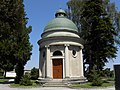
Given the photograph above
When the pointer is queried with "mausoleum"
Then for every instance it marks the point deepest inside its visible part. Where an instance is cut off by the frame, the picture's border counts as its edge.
(60, 49)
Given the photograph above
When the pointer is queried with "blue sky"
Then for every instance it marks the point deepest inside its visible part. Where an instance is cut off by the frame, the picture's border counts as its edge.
(40, 12)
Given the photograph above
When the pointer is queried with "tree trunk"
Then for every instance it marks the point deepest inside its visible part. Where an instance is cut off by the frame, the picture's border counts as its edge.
(19, 72)
(5, 74)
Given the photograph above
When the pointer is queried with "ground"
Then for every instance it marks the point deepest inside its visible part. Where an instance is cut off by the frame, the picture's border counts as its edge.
(6, 87)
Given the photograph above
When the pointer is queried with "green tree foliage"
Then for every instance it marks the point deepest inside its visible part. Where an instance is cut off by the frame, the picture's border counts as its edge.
(108, 73)
(100, 40)
(114, 15)
(15, 48)
(98, 30)
(34, 73)
(74, 11)
(6, 43)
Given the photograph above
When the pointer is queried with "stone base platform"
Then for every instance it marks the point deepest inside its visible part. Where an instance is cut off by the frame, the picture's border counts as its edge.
(48, 82)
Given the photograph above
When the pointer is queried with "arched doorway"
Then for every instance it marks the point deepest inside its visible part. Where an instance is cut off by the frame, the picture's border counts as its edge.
(57, 66)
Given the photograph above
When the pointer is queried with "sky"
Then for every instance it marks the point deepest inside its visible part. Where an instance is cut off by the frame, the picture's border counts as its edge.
(40, 12)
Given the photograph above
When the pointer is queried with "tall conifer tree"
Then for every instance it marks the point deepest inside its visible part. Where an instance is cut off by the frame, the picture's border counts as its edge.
(15, 48)
(100, 41)
(97, 29)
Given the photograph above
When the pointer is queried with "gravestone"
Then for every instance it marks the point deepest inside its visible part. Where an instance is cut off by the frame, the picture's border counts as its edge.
(117, 77)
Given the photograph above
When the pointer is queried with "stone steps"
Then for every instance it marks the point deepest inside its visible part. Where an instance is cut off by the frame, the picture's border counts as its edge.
(54, 83)
(61, 82)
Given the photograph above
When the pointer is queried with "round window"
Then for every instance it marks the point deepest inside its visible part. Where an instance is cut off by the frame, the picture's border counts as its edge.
(74, 53)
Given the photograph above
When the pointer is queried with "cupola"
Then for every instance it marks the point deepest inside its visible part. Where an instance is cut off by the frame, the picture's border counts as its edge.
(60, 22)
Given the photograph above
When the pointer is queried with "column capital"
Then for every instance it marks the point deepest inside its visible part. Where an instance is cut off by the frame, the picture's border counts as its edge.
(47, 46)
(66, 45)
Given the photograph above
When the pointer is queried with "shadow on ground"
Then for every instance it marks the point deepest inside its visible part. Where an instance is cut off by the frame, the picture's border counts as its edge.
(7, 81)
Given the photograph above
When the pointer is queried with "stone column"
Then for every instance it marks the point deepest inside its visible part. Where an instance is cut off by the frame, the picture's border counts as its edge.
(48, 66)
(81, 63)
(67, 71)
(40, 74)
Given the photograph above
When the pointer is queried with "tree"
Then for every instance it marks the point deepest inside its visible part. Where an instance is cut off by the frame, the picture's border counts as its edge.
(6, 41)
(74, 11)
(100, 37)
(23, 48)
(114, 15)
(97, 29)
(15, 48)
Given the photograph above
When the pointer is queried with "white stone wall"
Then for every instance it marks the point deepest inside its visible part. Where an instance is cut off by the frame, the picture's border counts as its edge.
(74, 61)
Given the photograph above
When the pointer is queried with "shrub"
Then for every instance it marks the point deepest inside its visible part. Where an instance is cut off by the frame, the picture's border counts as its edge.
(34, 73)
(97, 82)
(95, 78)
(26, 80)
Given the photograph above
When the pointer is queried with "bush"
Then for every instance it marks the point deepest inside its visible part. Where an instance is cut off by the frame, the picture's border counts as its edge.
(107, 73)
(95, 78)
(97, 82)
(26, 80)
(34, 73)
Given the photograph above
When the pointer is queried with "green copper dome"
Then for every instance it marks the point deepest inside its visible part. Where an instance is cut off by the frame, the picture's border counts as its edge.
(60, 23)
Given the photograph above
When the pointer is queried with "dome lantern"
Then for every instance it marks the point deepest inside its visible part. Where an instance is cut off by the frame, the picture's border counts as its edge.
(60, 13)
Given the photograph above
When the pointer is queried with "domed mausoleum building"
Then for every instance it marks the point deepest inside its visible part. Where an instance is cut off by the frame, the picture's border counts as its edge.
(61, 52)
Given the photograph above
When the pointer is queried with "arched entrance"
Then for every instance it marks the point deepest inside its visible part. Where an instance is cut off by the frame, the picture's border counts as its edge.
(57, 66)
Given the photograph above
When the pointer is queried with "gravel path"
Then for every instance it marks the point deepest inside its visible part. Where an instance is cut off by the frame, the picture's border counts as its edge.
(6, 87)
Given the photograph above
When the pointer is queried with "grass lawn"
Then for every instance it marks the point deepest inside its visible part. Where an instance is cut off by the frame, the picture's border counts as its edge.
(2, 80)
(22, 86)
(88, 85)
(1, 77)
(34, 85)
